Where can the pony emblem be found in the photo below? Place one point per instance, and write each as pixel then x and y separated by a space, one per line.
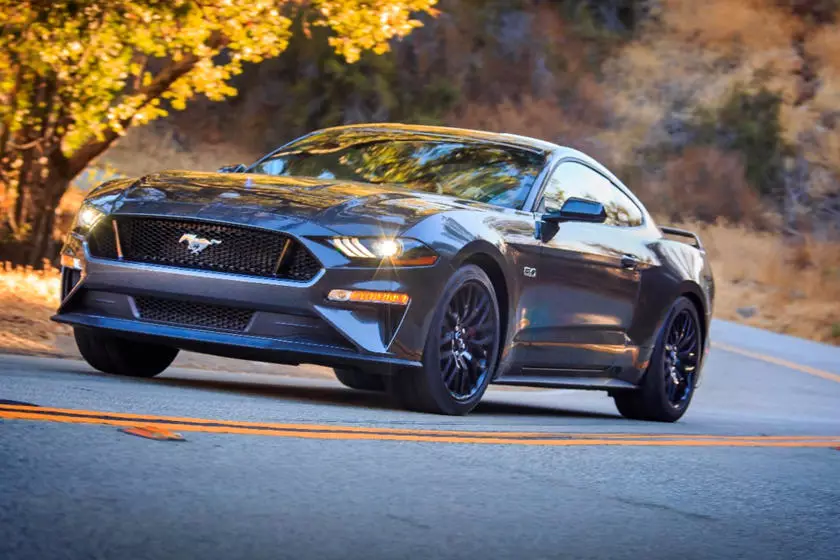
pixel 196 244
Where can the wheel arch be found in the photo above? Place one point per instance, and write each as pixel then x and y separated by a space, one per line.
pixel 693 293
pixel 694 296
pixel 698 303
pixel 488 260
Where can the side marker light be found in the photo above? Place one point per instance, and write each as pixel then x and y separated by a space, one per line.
pixel 363 296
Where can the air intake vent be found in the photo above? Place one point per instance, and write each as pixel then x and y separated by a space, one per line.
pixel 190 314
pixel 69 278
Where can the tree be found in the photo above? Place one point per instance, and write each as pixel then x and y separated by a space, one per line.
pixel 75 74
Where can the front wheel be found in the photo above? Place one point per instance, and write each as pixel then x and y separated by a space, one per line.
pixel 461 350
pixel 668 384
pixel 111 354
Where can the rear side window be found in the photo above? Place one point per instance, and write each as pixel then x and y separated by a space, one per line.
pixel 574 180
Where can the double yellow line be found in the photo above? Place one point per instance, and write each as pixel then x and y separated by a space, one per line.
pixel 173 424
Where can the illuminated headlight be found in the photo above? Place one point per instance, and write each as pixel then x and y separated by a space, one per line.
pixel 387 248
pixel 383 250
pixel 87 217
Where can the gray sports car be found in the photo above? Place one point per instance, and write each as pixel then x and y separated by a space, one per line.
pixel 425 261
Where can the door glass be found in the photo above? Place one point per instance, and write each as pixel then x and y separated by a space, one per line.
pixel 573 180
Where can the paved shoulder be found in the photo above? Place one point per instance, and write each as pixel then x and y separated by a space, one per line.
pixel 728 335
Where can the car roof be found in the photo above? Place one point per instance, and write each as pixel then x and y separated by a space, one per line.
pixel 397 129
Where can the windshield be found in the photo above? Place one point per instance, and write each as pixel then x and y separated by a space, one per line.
pixel 482 172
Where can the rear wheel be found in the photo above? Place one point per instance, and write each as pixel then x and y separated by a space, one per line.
pixel 357 380
pixel 461 350
pixel 111 354
pixel 668 384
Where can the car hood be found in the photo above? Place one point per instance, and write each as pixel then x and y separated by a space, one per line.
pixel 342 206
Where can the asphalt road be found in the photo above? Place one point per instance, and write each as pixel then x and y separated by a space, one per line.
pixel 280 467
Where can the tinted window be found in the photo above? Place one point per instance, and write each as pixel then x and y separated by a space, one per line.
pixel 471 170
pixel 573 180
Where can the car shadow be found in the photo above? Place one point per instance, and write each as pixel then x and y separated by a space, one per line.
pixel 298 392
pixel 493 408
pixel 316 391
pixel 343 396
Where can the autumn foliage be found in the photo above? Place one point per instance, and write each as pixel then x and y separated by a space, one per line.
pixel 75 74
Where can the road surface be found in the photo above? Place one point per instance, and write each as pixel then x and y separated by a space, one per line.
pixel 281 467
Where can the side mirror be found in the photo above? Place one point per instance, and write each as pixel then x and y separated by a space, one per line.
pixel 238 168
pixel 577 210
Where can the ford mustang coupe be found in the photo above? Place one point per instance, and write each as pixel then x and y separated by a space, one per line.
pixel 424 261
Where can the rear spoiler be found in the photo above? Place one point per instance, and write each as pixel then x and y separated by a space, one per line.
pixel 683 233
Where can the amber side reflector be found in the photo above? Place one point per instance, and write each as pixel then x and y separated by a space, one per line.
pixel 71 262
pixel 419 261
pixel 362 296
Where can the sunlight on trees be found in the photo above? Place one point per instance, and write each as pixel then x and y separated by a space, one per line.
pixel 75 74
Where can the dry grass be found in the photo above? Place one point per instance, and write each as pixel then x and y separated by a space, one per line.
pixel 27 300
pixel 793 286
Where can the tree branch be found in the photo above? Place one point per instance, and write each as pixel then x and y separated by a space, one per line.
pixel 165 78
pixel 79 160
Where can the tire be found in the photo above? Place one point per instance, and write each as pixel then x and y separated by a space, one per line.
pixel 362 381
pixel 118 356
pixel 461 353
pixel 658 398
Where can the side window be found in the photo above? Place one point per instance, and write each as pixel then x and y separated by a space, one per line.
pixel 573 180
pixel 567 181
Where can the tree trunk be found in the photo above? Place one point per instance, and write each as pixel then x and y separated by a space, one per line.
pixel 33 219
pixel 43 238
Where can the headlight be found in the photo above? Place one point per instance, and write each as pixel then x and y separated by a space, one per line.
pixel 382 250
pixel 87 217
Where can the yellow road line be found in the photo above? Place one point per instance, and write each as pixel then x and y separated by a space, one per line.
pixel 265 425
pixel 779 362
pixel 136 419
pixel 556 440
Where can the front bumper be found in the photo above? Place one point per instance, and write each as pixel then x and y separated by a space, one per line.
pixel 291 323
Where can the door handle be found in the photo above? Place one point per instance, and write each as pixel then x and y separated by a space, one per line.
pixel 629 262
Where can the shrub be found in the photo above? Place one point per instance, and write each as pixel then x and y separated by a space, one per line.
pixel 702 183
pixel 749 123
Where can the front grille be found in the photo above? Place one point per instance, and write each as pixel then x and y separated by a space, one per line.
pixel 220 248
pixel 193 314
pixel 102 241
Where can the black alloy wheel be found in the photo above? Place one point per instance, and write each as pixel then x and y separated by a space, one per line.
pixel 668 385
pixel 461 350
pixel 682 350
pixel 467 340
